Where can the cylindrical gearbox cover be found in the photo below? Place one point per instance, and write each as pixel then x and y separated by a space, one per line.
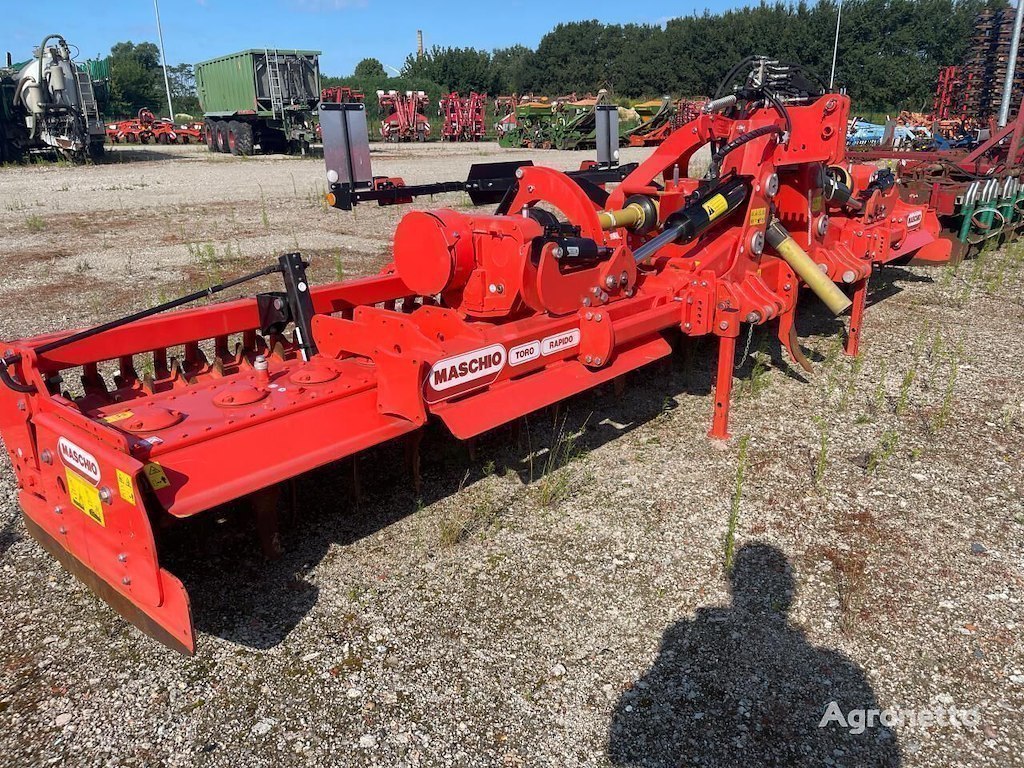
pixel 433 251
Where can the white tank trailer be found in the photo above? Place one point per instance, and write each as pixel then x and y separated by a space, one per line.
pixel 53 106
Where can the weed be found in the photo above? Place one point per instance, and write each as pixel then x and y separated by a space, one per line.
pixel 555 481
pixel 851 382
pixel 467 520
pixel 339 268
pixel 35 223
pixel 942 416
pixel 885 450
pixel 822 463
pixel 82 266
pixel 850 569
pixel 263 209
pixel 488 468
pixel 734 509
pixel 904 400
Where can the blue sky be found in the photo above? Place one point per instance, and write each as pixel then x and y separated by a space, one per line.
pixel 345 30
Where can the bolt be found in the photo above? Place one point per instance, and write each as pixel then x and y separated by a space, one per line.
pixel 557 252
pixel 610 281
pixel 519 173
pixel 630 291
pixel 589 316
pixel 724 325
pixel 21 405
pixel 687 326
pixel 703 283
pixel 20 453
pixel 586 301
pixel 598 317
pixel 604 296
pixel 492 288
pixel 787 287
pixel 589 359
pixel 106 496
pixel 122 558
pixel 127 580
pixel 598 361
pixel 823 268
pixel 63 530
pixel 46 456
pixel 529 188
pixel 689 299
pixel 849 276
pixel 501 288
pixel 754 317
pixel 58 510
pixel 624 278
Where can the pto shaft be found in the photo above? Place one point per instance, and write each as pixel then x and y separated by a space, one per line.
pixel 784 244
pixel 688 222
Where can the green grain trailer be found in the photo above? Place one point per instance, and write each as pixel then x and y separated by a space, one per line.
pixel 265 97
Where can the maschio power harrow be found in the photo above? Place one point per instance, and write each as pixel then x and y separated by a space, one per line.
pixel 481 319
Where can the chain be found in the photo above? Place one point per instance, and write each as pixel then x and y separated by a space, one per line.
pixel 746 348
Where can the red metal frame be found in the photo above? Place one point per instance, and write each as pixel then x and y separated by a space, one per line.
pixel 463 117
pixel 477 322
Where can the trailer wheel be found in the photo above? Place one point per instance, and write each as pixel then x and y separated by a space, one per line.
pixel 211 135
pixel 222 136
pixel 243 139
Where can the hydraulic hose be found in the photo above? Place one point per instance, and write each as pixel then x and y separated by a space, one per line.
pixel 739 141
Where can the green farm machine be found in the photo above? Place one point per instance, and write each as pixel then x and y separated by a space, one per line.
pixel 264 98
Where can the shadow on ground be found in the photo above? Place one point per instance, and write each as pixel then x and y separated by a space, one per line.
pixel 741 686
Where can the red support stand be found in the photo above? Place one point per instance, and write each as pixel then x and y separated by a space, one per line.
pixel 860 295
pixel 723 387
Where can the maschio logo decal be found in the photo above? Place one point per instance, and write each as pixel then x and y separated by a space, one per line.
pixel 458 374
pixel 914 219
pixel 79 459
pixel 560 341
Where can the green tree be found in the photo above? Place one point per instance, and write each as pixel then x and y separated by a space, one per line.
pixel 135 78
pixel 183 90
pixel 369 68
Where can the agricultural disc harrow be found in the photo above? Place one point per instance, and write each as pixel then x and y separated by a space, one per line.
pixel 480 319
pixel 146 128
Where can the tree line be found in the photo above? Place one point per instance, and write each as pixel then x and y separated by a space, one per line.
pixel 890 52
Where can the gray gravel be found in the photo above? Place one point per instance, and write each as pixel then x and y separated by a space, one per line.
pixel 522 614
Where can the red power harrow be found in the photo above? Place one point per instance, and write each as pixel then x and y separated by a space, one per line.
pixel 481 319
pixel 463 117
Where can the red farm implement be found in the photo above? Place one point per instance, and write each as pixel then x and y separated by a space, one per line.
pixel 403 116
pixel 146 128
pixel 342 95
pixel 480 319
pixel 977 191
pixel 463 117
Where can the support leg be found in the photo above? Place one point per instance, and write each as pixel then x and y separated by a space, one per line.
pixel 860 295
pixel 723 387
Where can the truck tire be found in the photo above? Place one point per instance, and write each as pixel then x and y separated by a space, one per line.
pixel 243 139
pixel 222 136
pixel 210 129
pixel 233 137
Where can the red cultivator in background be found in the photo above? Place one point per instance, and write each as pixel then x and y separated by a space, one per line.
pixel 464 117
pixel 146 128
pixel 403 117
pixel 481 319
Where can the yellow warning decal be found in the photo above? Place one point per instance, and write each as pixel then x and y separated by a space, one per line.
pixel 124 487
pixel 85 497
pixel 156 477
pixel 116 417
pixel 715 206
pixel 758 216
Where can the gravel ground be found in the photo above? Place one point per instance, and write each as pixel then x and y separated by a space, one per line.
pixel 560 598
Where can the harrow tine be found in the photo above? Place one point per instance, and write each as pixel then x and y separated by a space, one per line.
pixel 789 339
pixel 266 513
pixel 412 459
